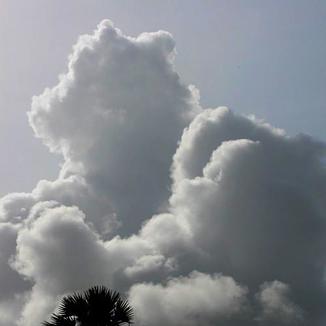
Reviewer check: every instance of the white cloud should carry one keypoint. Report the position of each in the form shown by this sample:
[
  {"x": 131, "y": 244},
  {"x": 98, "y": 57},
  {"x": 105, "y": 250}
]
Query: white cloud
[
  {"x": 116, "y": 116},
  {"x": 58, "y": 252},
  {"x": 141, "y": 203},
  {"x": 198, "y": 299},
  {"x": 15, "y": 207},
  {"x": 256, "y": 200}
]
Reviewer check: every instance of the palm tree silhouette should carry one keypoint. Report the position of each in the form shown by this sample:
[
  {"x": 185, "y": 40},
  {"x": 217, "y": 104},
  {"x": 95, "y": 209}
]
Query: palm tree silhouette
[{"x": 97, "y": 306}]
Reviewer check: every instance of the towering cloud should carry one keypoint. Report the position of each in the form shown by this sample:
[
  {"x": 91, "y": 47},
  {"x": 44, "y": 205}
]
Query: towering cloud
[
  {"x": 200, "y": 216},
  {"x": 116, "y": 116}
]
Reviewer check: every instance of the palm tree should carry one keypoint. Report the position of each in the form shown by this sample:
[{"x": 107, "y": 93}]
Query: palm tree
[{"x": 97, "y": 306}]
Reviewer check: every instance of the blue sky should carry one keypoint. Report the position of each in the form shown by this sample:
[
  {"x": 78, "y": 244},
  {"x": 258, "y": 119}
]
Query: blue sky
[{"x": 265, "y": 58}]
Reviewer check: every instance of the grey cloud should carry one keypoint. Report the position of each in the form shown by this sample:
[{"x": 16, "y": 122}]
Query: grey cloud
[
  {"x": 58, "y": 252},
  {"x": 13, "y": 288},
  {"x": 69, "y": 191},
  {"x": 118, "y": 113},
  {"x": 256, "y": 206},
  {"x": 277, "y": 306},
  {"x": 154, "y": 189},
  {"x": 11, "y": 282},
  {"x": 10, "y": 309},
  {"x": 15, "y": 207},
  {"x": 198, "y": 299}
]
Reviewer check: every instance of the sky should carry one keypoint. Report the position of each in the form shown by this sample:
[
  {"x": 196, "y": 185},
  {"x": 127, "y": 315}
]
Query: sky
[{"x": 173, "y": 151}]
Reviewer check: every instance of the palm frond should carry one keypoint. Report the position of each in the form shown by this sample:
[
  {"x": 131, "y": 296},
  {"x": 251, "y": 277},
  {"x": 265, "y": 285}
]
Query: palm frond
[
  {"x": 57, "y": 320},
  {"x": 73, "y": 305},
  {"x": 123, "y": 312},
  {"x": 96, "y": 306}
]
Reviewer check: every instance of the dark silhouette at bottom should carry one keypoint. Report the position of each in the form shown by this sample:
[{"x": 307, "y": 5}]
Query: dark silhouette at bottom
[{"x": 97, "y": 306}]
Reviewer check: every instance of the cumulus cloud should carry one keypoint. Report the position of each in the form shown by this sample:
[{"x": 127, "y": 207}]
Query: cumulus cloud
[
  {"x": 70, "y": 191},
  {"x": 256, "y": 206},
  {"x": 11, "y": 282},
  {"x": 198, "y": 299},
  {"x": 52, "y": 251},
  {"x": 276, "y": 305},
  {"x": 201, "y": 216},
  {"x": 116, "y": 116}
]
